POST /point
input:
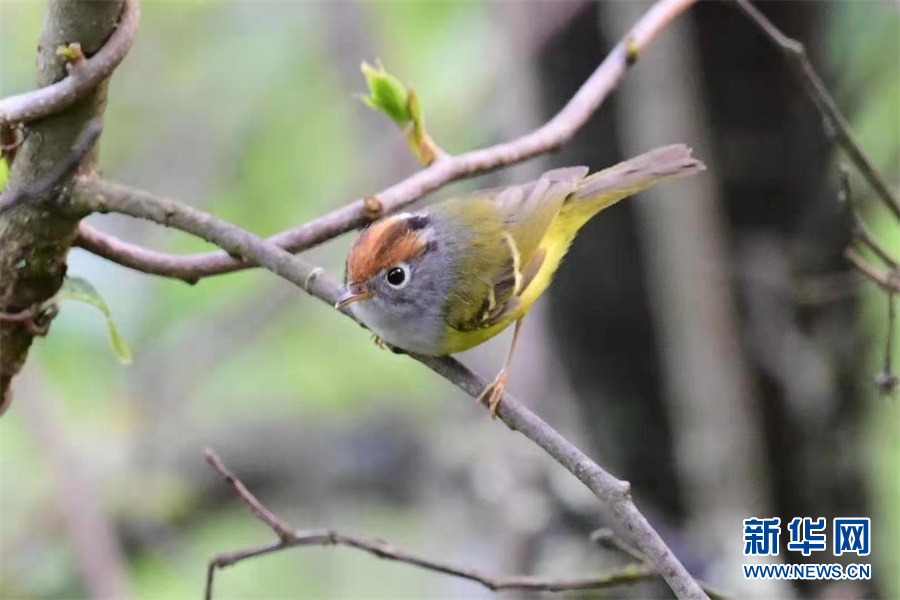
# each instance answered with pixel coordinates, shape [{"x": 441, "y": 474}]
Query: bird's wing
[
  {"x": 529, "y": 209},
  {"x": 509, "y": 224}
]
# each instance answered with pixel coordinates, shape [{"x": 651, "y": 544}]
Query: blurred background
[{"x": 706, "y": 341}]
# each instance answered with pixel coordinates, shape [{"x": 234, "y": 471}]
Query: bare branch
[
  {"x": 84, "y": 75},
  {"x": 606, "y": 538},
  {"x": 35, "y": 236},
  {"x": 889, "y": 281},
  {"x": 861, "y": 231},
  {"x": 102, "y": 196},
  {"x": 887, "y": 381},
  {"x": 60, "y": 172},
  {"x": 835, "y": 123},
  {"x": 259, "y": 511},
  {"x": 552, "y": 135},
  {"x": 865, "y": 235},
  {"x": 140, "y": 258},
  {"x": 246, "y": 249},
  {"x": 288, "y": 538}
]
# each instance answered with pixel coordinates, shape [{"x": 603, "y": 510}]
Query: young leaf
[
  {"x": 76, "y": 288},
  {"x": 386, "y": 94}
]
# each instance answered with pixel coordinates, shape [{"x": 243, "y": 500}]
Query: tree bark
[{"x": 35, "y": 236}]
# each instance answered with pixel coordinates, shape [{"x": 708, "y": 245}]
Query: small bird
[{"x": 454, "y": 275}]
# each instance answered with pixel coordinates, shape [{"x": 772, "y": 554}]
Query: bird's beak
[{"x": 355, "y": 293}]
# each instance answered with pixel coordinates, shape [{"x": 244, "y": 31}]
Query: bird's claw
[
  {"x": 385, "y": 346},
  {"x": 492, "y": 394}
]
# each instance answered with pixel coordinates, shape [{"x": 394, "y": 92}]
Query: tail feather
[{"x": 626, "y": 178}]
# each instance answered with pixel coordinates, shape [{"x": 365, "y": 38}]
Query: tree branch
[
  {"x": 889, "y": 281},
  {"x": 552, "y": 135},
  {"x": 60, "y": 172},
  {"x": 838, "y": 129},
  {"x": 35, "y": 236},
  {"x": 836, "y": 124},
  {"x": 84, "y": 75},
  {"x": 247, "y": 249},
  {"x": 101, "y": 196},
  {"x": 289, "y": 538}
]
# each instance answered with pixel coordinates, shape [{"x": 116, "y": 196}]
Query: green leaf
[
  {"x": 4, "y": 173},
  {"x": 386, "y": 93},
  {"x": 76, "y": 288}
]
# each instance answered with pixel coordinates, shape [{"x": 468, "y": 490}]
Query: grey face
[{"x": 407, "y": 304}]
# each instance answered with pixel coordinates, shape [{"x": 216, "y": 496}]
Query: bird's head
[{"x": 386, "y": 261}]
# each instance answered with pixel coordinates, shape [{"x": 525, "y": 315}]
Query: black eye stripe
[{"x": 417, "y": 222}]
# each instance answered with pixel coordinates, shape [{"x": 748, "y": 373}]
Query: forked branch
[
  {"x": 103, "y": 196},
  {"x": 446, "y": 169},
  {"x": 84, "y": 75},
  {"x": 835, "y": 122},
  {"x": 838, "y": 129},
  {"x": 290, "y": 538}
]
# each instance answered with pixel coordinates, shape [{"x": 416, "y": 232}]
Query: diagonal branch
[
  {"x": 60, "y": 172},
  {"x": 552, "y": 135},
  {"x": 84, "y": 75},
  {"x": 289, "y": 538},
  {"x": 35, "y": 236},
  {"x": 836, "y": 124},
  {"x": 102, "y": 196},
  {"x": 889, "y": 282}
]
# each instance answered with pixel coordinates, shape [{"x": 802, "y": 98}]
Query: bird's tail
[{"x": 606, "y": 187}]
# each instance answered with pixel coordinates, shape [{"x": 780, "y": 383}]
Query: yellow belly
[{"x": 556, "y": 243}]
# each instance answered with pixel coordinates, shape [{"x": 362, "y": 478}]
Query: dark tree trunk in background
[{"x": 785, "y": 234}]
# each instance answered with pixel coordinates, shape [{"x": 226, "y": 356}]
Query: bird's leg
[
  {"x": 385, "y": 346},
  {"x": 380, "y": 342},
  {"x": 494, "y": 390}
]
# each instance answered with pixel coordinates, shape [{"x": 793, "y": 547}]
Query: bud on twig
[{"x": 390, "y": 96}]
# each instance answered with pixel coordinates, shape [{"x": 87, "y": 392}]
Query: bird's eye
[{"x": 396, "y": 277}]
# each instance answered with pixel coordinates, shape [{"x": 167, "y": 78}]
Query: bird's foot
[
  {"x": 493, "y": 392},
  {"x": 385, "y": 346}
]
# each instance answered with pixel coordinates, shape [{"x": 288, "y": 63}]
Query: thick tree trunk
[{"x": 35, "y": 236}]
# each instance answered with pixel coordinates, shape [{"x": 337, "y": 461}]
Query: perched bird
[{"x": 454, "y": 275}]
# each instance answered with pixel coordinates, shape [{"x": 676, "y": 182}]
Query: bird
[{"x": 453, "y": 275}]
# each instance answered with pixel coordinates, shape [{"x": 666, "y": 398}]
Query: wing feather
[{"x": 501, "y": 268}]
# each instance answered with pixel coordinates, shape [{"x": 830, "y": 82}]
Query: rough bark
[{"x": 35, "y": 236}]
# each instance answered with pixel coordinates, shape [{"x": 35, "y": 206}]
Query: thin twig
[
  {"x": 59, "y": 173},
  {"x": 35, "y": 320},
  {"x": 835, "y": 122},
  {"x": 256, "y": 507},
  {"x": 99, "y": 196},
  {"x": 865, "y": 235},
  {"x": 860, "y": 230},
  {"x": 552, "y": 135},
  {"x": 11, "y": 139},
  {"x": 606, "y": 538},
  {"x": 83, "y": 75},
  {"x": 889, "y": 281},
  {"x": 887, "y": 381},
  {"x": 103, "y": 196},
  {"x": 289, "y": 538}
]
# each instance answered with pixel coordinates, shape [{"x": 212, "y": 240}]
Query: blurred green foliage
[
  {"x": 76, "y": 288},
  {"x": 867, "y": 82},
  {"x": 240, "y": 108},
  {"x": 256, "y": 125}
]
